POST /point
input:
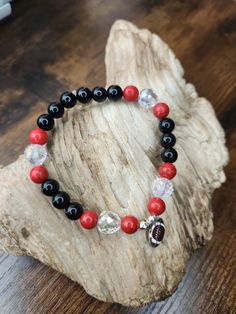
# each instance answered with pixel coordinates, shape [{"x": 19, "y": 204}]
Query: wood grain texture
[{"x": 208, "y": 48}]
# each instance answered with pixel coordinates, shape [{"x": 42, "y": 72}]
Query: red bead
[
  {"x": 39, "y": 174},
  {"x": 167, "y": 170},
  {"x": 130, "y": 93},
  {"x": 38, "y": 136},
  {"x": 89, "y": 219},
  {"x": 129, "y": 224},
  {"x": 161, "y": 110},
  {"x": 156, "y": 206}
]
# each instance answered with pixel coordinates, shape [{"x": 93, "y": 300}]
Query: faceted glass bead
[
  {"x": 162, "y": 187},
  {"x": 147, "y": 98},
  {"x": 108, "y": 222},
  {"x": 36, "y": 154}
]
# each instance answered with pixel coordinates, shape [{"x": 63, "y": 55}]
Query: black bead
[
  {"x": 168, "y": 140},
  {"x": 169, "y": 155},
  {"x": 84, "y": 95},
  {"x": 56, "y": 110},
  {"x": 61, "y": 200},
  {"x": 166, "y": 125},
  {"x": 74, "y": 211},
  {"x": 50, "y": 187},
  {"x": 45, "y": 122},
  {"x": 68, "y": 100},
  {"x": 114, "y": 93},
  {"x": 99, "y": 94}
]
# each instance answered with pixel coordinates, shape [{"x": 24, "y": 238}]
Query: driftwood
[{"x": 106, "y": 157}]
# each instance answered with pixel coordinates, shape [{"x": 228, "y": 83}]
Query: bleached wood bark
[{"x": 106, "y": 157}]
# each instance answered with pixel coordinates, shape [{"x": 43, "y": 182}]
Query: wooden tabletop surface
[{"x": 48, "y": 46}]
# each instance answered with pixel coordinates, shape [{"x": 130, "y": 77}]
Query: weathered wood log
[{"x": 106, "y": 157}]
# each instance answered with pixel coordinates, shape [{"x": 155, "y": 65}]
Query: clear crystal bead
[
  {"x": 147, "y": 98},
  {"x": 162, "y": 187},
  {"x": 108, "y": 222},
  {"x": 36, "y": 154}
]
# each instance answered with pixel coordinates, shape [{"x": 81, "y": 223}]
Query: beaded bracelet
[{"x": 107, "y": 222}]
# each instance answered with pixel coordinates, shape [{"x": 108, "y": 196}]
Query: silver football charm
[{"x": 155, "y": 230}]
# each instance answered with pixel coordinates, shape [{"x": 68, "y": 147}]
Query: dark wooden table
[{"x": 48, "y": 46}]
